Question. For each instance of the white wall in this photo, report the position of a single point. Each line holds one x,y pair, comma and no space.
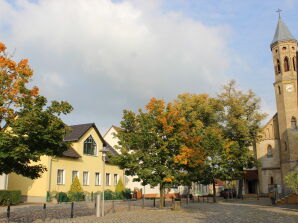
3,182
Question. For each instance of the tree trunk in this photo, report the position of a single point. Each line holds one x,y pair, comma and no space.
214,192
240,186
162,196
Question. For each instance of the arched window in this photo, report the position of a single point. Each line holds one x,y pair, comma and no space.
90,146
286,64
286,146
271,180
294,123
294,63
269,151
279,90
278,66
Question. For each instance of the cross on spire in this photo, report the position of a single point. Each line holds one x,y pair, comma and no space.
279,11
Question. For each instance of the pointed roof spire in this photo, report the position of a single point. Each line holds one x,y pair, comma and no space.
282,32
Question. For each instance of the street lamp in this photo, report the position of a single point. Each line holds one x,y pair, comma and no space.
104,154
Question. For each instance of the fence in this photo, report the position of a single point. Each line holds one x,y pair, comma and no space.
67,210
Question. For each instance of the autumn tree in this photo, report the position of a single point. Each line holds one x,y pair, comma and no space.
150,142
241,123
214,151
29,127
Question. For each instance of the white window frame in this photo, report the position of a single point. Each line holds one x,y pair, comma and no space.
78,175
108,183
63,177
88,177
115,183
99,179
96,147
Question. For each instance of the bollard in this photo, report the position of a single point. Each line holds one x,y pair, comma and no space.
153,202
164,202
187,200
8,212
44,212
198,199
129,204
113,206
97,205
193,199
143,202
207,199
71,210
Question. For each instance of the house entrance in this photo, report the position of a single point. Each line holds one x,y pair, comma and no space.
252,186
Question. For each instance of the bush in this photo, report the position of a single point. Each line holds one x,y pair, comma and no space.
120,186
76,186
10,197
108,195
62,197
127,194
76,196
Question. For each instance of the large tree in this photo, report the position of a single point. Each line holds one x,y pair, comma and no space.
29,127
241,123
152,142
203,112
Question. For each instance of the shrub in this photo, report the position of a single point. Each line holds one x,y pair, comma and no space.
291,180
76,186
10,197
62,197
79,196
120,186
108,195
127,194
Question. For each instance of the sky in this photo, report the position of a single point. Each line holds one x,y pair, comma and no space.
104,56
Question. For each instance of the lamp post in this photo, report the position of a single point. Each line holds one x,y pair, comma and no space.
104,153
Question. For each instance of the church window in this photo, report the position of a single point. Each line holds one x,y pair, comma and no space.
271,180
294,63
269,151
286,146
278,66
279,90
284,48
286,64
294,123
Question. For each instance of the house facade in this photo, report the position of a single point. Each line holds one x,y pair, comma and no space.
83,159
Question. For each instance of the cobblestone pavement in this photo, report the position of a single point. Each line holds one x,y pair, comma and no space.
232,211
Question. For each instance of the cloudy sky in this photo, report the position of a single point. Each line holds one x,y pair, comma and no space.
104,56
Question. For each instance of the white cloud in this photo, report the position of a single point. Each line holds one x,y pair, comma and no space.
105,56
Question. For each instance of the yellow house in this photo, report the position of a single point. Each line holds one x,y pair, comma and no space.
83,159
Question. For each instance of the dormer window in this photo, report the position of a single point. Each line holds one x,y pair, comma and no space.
90,146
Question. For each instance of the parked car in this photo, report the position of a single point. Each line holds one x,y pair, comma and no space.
228,193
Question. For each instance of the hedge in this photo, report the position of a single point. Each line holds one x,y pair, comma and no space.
8,197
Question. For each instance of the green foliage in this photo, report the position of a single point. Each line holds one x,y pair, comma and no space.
29,126
291,180
76,196
120,186
62,197
76,186
241,123
10,197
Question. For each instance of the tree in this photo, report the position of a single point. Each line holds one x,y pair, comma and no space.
150,142
241,123
291,180
76,187
29,128
120,186
203,112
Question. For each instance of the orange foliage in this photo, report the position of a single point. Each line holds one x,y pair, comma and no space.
14,77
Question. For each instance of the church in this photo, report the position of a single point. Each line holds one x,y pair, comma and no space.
277,153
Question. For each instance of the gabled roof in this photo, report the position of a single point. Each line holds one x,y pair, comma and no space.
114,127
77,131
282,33
71,153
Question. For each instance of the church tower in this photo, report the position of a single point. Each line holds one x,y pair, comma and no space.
284,52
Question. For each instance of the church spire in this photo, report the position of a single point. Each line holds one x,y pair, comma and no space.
282,33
